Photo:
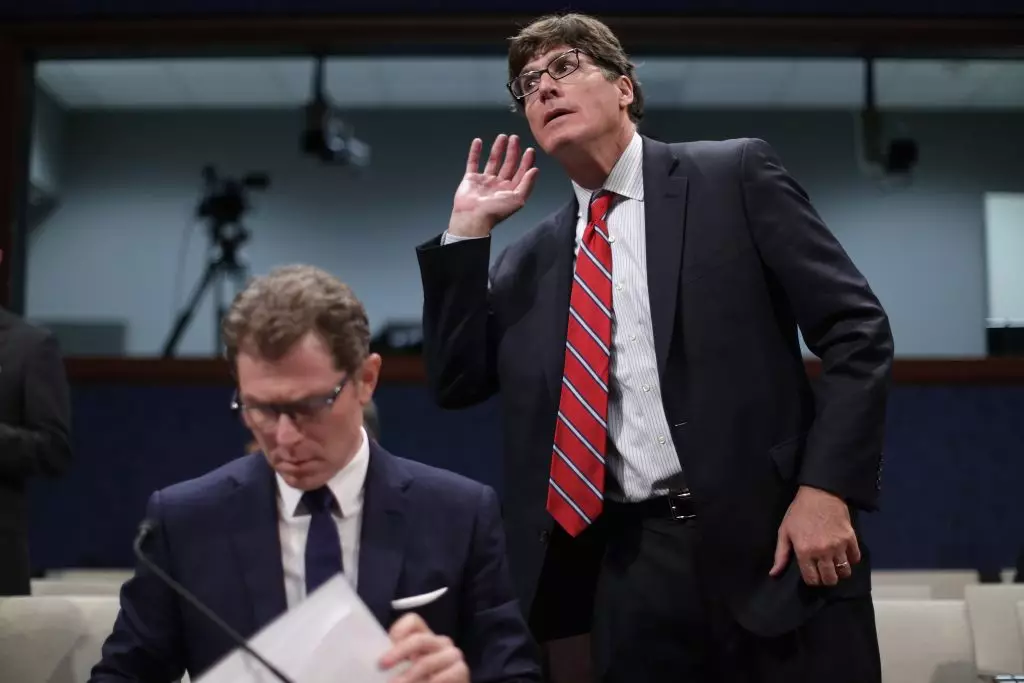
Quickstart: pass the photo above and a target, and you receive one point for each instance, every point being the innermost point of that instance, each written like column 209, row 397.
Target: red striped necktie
column 576, row 484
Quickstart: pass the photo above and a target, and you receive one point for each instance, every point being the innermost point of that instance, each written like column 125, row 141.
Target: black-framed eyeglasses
column 558, row 68
column 302, row 412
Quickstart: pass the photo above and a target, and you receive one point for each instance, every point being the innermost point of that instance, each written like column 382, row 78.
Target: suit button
column 544, row 536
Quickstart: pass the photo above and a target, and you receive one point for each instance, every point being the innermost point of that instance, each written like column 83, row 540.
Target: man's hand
column 432, row 658
column 817, row 527
column 483, row 200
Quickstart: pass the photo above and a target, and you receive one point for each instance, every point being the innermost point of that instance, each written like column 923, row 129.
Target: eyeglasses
column 302, row 412
column 558, row 68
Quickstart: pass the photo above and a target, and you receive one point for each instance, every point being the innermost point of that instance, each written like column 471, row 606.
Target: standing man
column 35, row 423
column 667, row 462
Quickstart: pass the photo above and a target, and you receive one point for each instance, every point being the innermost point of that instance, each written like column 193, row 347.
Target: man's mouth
column 296, row 462
column 555, row 114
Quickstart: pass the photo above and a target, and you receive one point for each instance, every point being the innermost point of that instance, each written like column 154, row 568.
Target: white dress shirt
column 293, row 523
column 642, row 458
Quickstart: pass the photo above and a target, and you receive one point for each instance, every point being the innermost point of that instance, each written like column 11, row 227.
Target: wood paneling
column 409, row 369
column 183, row 371
column 720, row 35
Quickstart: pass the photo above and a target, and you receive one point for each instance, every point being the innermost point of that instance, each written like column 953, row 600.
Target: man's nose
column 286, row 432
column 548, row 86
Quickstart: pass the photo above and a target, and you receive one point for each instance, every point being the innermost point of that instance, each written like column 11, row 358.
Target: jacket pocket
column 787, row 456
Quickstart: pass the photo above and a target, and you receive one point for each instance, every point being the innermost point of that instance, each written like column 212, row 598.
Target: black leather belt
column 677, row 506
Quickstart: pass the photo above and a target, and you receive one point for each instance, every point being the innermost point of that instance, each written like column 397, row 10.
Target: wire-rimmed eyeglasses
column 558, row 68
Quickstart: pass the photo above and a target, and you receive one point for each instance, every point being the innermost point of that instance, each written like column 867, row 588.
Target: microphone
column 145, row 529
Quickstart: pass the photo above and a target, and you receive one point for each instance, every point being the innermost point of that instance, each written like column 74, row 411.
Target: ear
column 625, row 91
column 368, row 377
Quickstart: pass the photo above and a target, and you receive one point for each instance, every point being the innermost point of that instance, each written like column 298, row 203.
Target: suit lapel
column 257, row 542
column 665, row 218
column 553, row 290
column 382, row 539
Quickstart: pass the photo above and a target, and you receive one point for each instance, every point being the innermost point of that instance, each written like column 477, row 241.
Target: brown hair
column 275, row 311
column 591, row 36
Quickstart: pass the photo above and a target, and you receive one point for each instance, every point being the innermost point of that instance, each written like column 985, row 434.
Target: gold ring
column 842, row 564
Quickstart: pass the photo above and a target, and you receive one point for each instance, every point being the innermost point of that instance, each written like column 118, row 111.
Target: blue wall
column 950, row 485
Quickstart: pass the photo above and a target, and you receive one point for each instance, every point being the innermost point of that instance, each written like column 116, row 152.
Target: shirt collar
column 346, row 484
column 625, row 180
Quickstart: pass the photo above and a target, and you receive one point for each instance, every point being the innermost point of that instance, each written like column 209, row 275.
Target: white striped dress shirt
column 642, row 459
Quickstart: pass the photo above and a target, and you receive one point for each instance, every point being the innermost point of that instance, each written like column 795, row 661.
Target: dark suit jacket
column 423, row 528
column 35, row 417
column 737, row 259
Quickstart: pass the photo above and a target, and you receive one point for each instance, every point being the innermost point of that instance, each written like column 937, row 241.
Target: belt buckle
column 681, row 505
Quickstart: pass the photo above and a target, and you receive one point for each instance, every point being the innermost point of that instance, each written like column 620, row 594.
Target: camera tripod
column 225, row 266
column 223, row 205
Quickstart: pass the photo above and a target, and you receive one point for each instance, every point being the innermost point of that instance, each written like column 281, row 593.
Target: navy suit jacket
column 738, row 261
column 423, row 529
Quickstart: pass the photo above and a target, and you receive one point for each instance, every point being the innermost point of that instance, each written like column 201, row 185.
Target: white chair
column 1020, row 622
column 991, row 608
column 43, row 587
column 118, row 576
column 53, row 639
column 925, row 641
column 898, row 591
column 945, row 583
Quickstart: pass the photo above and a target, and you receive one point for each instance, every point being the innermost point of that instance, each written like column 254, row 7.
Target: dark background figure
column 35, row 426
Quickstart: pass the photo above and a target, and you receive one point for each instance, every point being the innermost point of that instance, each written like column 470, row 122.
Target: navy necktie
column 323, row 545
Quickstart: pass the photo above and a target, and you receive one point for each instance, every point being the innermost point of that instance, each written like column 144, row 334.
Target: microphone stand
column 145, row 529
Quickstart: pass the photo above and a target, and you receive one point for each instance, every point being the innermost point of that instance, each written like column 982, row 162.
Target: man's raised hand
column 484, row 199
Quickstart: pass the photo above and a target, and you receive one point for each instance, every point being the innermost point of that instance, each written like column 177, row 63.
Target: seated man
column 254, row 537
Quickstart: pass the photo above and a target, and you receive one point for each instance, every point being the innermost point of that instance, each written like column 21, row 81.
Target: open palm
column 484, row 199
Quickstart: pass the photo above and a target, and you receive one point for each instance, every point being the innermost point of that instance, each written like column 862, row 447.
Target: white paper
column 330, row 636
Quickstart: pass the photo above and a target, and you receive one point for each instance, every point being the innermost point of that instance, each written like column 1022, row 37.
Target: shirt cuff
column 447, row 238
